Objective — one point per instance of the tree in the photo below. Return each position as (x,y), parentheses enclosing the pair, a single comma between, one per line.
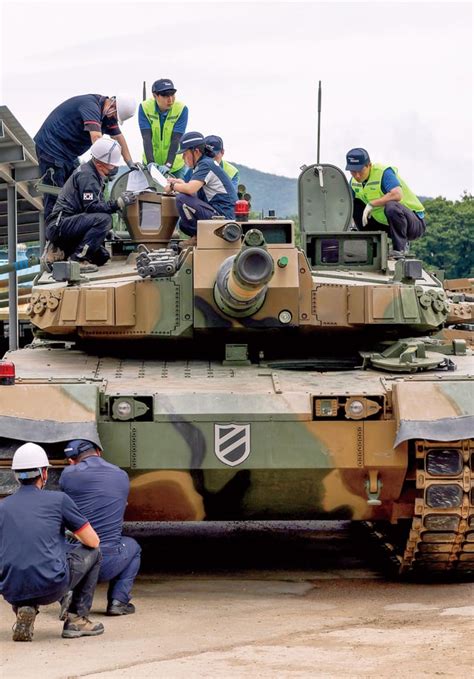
(447,243)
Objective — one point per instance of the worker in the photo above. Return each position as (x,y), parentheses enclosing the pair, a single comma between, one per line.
(163,122)
(71,129)
(100,490)
(382,200)
(208,193)
(35,569)
(217,146)
(81,217)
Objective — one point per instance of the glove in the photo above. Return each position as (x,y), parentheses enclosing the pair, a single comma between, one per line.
(164,169)
(132,165)
(125,199)
(366,214)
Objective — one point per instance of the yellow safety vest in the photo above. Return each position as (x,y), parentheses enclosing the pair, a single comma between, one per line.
(161,138)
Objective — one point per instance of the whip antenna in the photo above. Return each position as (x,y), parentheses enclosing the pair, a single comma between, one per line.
(319,119)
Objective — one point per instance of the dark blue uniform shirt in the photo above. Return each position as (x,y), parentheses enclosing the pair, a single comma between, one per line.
(32,546)
(218,189)
(100,490)
(64,135)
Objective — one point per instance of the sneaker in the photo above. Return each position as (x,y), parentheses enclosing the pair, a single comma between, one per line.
(25,620)
(80,626)
(65,603)
(117,607)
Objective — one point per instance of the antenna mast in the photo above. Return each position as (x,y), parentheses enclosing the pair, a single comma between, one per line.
(319,119)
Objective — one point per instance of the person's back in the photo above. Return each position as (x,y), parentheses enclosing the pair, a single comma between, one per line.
(65,133)
(35,568)
(100,490)
(218,189)
(32,554)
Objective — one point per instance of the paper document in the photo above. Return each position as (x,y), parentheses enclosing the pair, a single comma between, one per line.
(158,177)
(137,181)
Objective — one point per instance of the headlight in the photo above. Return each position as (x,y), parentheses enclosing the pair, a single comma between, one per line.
(285,317)
(123,408)
(356,408)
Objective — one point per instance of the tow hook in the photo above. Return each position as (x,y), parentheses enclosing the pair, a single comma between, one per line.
(373,486)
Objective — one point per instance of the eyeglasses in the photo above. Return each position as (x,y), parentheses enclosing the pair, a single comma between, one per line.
(166,93)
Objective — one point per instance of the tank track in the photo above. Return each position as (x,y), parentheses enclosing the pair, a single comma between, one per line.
(440,540)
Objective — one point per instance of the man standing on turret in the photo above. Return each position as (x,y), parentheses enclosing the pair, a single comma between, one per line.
(382,200)
(163,122)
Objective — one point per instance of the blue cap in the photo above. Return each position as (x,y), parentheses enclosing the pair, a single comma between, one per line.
(163,85)
(357,159)
(191,140)
(215,142)
(78,446)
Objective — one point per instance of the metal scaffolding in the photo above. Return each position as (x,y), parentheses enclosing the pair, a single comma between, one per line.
(21,207)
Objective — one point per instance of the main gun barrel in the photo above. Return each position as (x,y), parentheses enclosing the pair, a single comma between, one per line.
(242,279)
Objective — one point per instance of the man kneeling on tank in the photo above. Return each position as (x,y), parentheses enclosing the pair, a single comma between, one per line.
(81,217)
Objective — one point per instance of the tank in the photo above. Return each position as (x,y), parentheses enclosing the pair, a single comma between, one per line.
(265,373)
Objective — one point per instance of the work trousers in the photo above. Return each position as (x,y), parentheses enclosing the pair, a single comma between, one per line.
(80,235)
(56,173)
(403,224)
(119,567)
(191,209)
(84,565)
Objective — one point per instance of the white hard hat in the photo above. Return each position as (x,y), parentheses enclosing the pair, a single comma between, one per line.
(107,150)
(126,107)
(29,456)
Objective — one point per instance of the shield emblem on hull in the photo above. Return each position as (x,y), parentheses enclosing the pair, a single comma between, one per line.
(232,443)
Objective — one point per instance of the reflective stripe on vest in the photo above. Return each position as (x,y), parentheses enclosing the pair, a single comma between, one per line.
(161,138)
(373,190)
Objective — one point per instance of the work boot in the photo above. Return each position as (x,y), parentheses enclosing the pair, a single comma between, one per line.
(80,626)
(396,254)
(116,607)
(25,620)
(85,265)
(65,603)
(190,242)
(51,254)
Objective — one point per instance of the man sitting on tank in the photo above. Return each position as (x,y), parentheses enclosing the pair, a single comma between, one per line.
(100,490)
(81,217)
(208,193)
(383,201)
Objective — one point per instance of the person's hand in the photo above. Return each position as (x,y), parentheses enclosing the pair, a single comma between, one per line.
(132,165)
(169,187)
(164,169)
(125,199)
(366,214)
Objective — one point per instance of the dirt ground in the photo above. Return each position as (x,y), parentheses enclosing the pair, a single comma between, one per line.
(344,621)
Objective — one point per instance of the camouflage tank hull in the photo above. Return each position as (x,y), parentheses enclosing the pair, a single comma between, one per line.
(204,441)
(247,378)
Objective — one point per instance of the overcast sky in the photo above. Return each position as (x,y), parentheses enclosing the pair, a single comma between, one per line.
(397,77)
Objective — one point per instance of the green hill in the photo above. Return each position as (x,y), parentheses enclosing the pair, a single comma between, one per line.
(270,191)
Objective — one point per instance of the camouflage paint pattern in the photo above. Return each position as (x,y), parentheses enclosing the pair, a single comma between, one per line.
(243,438)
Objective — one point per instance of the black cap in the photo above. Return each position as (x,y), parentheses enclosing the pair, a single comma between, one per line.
(357,159)
(163,85)
(215,142)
